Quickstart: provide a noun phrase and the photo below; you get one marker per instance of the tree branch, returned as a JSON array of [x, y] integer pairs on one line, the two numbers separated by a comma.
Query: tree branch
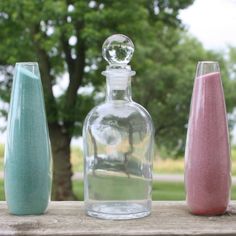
[[67, 51], [76, 77], [47, 78]]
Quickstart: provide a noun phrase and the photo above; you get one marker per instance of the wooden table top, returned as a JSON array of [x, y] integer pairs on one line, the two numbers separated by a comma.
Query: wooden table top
[[68, 218]]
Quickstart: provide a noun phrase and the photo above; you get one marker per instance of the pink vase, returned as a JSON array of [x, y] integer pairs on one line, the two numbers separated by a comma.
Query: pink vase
[[207, 154]]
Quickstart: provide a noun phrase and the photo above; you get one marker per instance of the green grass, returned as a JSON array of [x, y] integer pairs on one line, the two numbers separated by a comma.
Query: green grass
[[160, 166], [1, 156], [123, 188], [2, 195], [168, 191], [77, 159], [1, 150], [161, 190]]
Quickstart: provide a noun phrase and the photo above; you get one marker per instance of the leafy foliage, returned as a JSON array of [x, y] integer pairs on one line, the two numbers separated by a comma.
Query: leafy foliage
[[67, 36], [164, 83]]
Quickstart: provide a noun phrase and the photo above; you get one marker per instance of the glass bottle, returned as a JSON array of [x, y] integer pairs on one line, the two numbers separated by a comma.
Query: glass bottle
[[118, 143], [207, 155], [27, 164]]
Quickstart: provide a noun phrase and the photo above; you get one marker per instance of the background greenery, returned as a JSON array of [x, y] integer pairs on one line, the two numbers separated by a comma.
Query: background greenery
[[161, 190], [165, 59]]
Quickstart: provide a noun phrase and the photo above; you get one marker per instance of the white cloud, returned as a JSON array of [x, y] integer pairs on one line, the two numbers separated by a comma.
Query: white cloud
[[212, 22]]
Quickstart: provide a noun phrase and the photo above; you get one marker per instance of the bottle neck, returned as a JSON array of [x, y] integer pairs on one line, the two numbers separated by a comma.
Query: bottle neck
[[118, 93]]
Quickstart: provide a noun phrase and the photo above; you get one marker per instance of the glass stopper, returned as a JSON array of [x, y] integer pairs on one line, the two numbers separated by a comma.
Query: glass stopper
[[118, 49]]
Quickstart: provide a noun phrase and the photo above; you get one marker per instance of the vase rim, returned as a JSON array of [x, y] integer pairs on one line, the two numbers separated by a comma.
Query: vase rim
[[27, 63], [208, 62]]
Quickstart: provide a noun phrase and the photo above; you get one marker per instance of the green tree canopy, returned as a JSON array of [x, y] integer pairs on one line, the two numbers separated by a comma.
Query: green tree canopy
[[164, 83], [67, 36]]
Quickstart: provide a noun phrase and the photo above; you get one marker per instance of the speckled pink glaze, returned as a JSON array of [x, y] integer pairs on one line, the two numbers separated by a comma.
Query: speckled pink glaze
[[207, 155]]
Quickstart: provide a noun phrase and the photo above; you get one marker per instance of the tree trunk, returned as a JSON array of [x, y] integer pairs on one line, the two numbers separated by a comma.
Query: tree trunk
[[62, 171]]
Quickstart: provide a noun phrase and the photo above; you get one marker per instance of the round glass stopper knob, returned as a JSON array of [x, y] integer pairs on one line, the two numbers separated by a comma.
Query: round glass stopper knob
[[118, 49]]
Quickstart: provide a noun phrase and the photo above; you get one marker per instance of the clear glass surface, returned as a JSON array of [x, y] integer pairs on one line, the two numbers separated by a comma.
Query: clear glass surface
[[118, 152], [118, 49], [118, 160], [207, 154]]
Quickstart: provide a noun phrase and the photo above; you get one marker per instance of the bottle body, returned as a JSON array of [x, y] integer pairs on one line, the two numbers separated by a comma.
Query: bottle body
[[207, 156], [118, 151], [27, 164]]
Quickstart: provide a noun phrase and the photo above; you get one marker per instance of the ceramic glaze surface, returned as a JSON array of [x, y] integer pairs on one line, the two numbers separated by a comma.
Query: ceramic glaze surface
[[207, 174], [27, 151]]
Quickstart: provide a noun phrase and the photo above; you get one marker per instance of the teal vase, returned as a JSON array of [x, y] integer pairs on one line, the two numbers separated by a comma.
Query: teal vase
[[27, 164]]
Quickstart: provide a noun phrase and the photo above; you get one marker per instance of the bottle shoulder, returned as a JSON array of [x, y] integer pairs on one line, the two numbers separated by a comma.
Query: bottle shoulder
[[118, 109], [130, 112], [143, 109]]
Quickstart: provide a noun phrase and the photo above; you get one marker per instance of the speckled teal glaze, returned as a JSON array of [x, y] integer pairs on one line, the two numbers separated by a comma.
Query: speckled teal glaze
[[27, 151]]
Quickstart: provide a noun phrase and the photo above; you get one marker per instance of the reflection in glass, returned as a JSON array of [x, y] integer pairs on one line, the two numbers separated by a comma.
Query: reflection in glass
[[118, 146]]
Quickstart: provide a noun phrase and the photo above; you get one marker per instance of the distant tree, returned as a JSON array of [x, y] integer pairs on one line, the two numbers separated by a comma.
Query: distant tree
[[164, 84], [231, 62], [230, 88], [67, 36]]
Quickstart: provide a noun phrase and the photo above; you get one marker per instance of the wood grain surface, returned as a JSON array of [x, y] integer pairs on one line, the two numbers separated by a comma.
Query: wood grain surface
[[68, 218]]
